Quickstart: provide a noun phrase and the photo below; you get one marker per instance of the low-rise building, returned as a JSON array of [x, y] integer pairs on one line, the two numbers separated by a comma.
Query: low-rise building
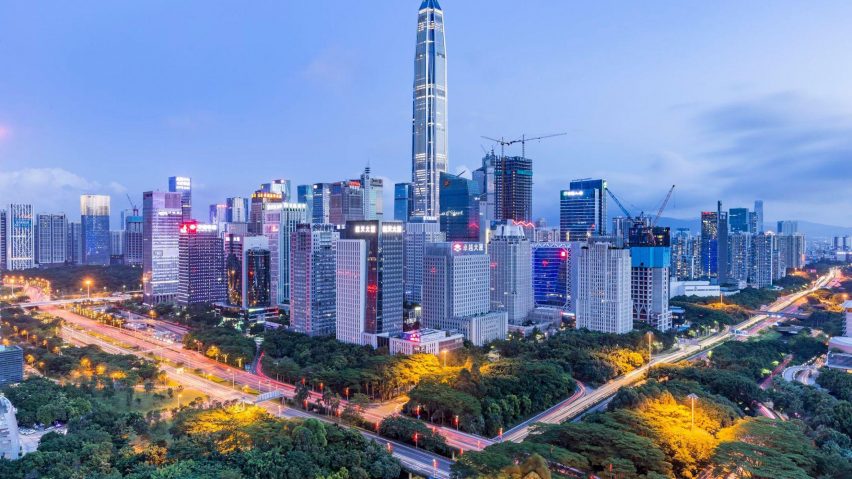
[[425, 340]]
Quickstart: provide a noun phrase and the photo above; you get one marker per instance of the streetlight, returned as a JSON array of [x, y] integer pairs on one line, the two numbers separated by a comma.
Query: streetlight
[[692, 397], [457, 422], [415, 440], [88, 283]]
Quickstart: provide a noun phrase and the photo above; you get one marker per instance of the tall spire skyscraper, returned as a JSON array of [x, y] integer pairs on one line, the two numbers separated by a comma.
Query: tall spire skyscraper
[[429, 121]]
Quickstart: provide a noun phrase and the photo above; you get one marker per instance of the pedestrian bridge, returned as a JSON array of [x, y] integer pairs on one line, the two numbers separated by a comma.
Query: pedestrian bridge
[[268, 396]]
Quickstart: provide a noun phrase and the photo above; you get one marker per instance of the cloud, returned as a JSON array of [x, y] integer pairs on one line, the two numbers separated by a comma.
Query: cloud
[[48, 189]]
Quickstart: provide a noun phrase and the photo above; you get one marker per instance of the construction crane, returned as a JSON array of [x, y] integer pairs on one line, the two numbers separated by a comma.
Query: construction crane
[[612, 195], [522, 140], [132, 205], [662, 207]]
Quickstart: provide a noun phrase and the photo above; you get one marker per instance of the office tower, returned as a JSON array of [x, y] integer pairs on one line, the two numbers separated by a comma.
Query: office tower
[[685, 260], [51, 242], [74, 249], [842, 243], [351, 291], [201, 265], [791, 252], [601, 287], [372, 196], [383, 293], [722, 244], [739, 255], [484, 177], [2, 240], [305, 195], [266, 194], [182, 185], [346, 202], [738, 219], [709, 244], [511, 272], [256, 274], [418, 233], [622, 226], [279, 221], [752, 222], [322, 203], [456, 292], [11, 365], [233, 245], [236, 210], [513, 178], [116, 247], [758, 211], [123, 214], [218, 213], [10, 439], [459, 198], [582, 210], [402, 202], [551, 274], [547, 235], [20, 237], [649, 285], [313, 294], [764, 257], [429, 117], [788, 227], [133, 243], [162, 215], [94, 223]]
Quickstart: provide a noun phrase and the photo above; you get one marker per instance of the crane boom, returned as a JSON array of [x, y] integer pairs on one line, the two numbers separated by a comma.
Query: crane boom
[[612, 195], [662, 207], [132, 205]]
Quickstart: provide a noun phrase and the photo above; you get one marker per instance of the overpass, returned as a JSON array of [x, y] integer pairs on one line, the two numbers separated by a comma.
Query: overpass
[[61, 302]]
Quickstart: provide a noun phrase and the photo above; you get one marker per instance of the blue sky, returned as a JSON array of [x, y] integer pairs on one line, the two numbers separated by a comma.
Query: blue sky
[[728, 100]]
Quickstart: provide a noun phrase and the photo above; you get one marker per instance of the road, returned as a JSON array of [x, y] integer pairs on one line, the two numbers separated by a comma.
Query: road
[[59, 302], [562, 412], [179, 362]]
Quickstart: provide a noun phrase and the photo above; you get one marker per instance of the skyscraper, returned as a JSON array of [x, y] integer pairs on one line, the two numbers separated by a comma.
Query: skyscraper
[[116, 247], [791, 252], [20, 237], [351, 291], [322, 203], [313, 294], [722, 244], [788, 227], [601, 286], [372, 196], [201, 265], [94, 223], [459, 199], [161, 218], [418, 233], [401, 202], [758, 212], [236, 210], [267, 193], [279, 221], [511, 272], [305, 195], [346, 202], [256, 275], [685, 255], [384, 292], [74, 250], [738, 218], [649, 285], [429, 117], [51, 240], [551, 274], [709, 244], [133, 233], [2, 240], [764, 259], [582, 210], [513, 179], [182, 185]]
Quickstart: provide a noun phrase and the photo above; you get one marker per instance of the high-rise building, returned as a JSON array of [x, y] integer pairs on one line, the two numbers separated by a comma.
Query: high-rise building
[[51, 242], [722, 245], [511, 272], [351, 291], [313, 293], [201, 275], [485, 178], [233, 244], [74, 249], [133, 242], [791, 252], [459, 198], [94, 223], [429, 117], [11, 365], [237, 209], [401, 202], [758, 211], [183, 185], [738, 219], [418, 233], [2, 240], [582, 210], [161, 219], [709, 244], [649, 285], [764, 258], [752, 222], [20, 237], [551, 274], [256, 275], [116, 247], [739, 256], [267, 193], [383, 283], [456, 292], [322, 203], [601, 287], [218, 214], [788, 227], [513, 178], [372, 196], [279, 221], [346, 202], [685, 255], [305, 195]]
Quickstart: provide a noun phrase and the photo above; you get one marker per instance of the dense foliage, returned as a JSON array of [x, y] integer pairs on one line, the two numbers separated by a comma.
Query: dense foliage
[[293, 357], [222, 344], [69, 279], [838, 383], [405, 430]]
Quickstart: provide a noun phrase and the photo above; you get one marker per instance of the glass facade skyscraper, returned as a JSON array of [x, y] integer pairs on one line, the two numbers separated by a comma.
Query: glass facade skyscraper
[[94, 224], [738, 220], [161, 218], [429, 118], [551, 274], [459, 208], [401, 201], [582, 210], [513, 188], [183, 185]]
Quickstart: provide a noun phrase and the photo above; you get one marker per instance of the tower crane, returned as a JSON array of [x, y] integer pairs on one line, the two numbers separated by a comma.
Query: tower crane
[[132, 205], [522, 140], [662, 207], [614, 198]]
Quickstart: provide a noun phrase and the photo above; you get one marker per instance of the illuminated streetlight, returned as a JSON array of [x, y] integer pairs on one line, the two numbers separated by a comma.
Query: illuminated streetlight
[[88, 283], [692, 397]]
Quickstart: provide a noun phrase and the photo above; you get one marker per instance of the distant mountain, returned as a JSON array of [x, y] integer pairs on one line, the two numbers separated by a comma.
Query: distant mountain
[[818, 230]]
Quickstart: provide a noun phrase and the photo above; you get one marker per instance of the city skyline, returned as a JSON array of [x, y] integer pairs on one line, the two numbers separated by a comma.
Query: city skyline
[[79, 110]]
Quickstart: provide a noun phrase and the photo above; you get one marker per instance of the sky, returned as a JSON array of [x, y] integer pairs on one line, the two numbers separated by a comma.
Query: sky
[[728, 100]]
